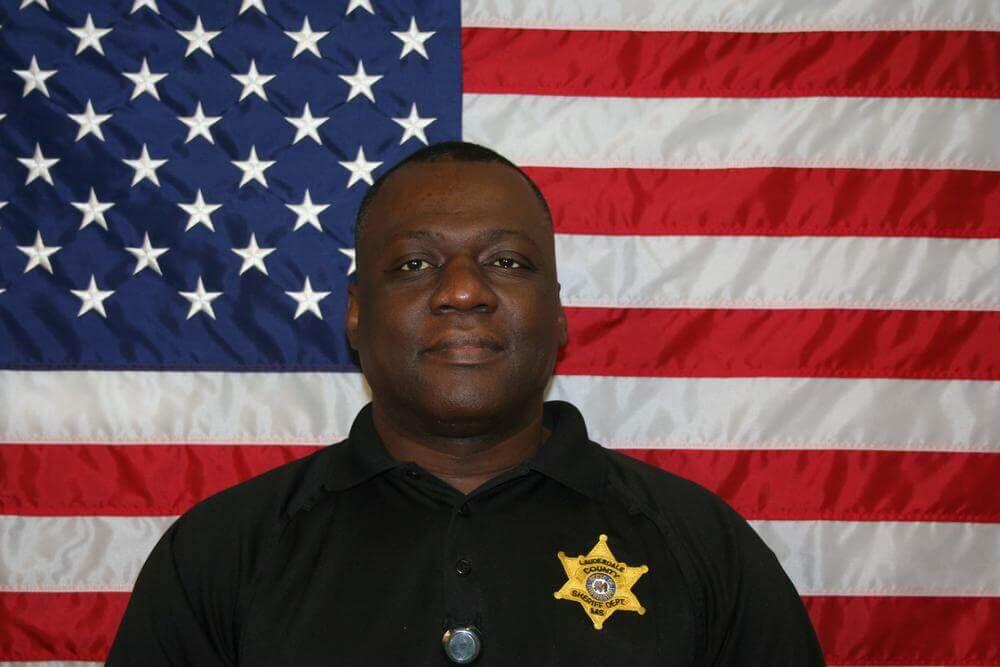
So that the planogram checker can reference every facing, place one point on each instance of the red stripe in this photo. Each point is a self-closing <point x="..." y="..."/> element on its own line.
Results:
<point x="731" y="64"/>
<point x="773" y="201"/>
<point x="843" y="485"/>
<point x="907" y="630"/>
<point x="165" y="480"/>
<point x="852" y="630"/>
<point x="782" y="343"/>
<point x="59" y="626"/>
<point x="126" y="480"/>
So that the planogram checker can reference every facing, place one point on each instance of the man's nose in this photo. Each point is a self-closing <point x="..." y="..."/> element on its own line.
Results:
<point x="463" y="286"/>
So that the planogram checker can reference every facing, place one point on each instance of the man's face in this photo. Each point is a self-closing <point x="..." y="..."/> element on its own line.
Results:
<point x="456" y="314"/>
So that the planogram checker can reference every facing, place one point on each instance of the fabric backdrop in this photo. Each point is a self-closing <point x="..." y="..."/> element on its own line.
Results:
<point x="778" y="235"/>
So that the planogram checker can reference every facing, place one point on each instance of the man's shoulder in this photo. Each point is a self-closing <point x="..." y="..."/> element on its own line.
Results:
<point x="262" y="503"/>
<point x="696" y="521"/>
<point x="660" y="490"/>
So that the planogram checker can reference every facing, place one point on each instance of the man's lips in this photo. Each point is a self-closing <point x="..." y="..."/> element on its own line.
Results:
<point x="465" y="349"/>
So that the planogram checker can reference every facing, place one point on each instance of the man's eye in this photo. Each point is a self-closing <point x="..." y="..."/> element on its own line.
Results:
<point x="507" y="263"/>
<point x="415" y="265"/>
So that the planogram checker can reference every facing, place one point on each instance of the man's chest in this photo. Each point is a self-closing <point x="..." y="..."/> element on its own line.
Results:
<point x="535" y="585"/>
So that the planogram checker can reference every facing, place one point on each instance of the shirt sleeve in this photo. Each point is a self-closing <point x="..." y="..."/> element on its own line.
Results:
<point x="766" y="622"/>
<point x="180" y="612"/>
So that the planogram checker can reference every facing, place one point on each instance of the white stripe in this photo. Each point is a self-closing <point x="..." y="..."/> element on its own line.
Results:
<point x="88" y="553"/>
<point x="621" y="412"/>
<point x="821" y="557"/>
<point x="887" y="558"/>
<point x="778" y="272"/>
<point x="743" y="16"/>
<point x="708" y="133"/>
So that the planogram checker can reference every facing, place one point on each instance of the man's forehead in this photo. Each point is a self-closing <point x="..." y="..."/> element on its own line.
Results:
<point x="456" y="187"/>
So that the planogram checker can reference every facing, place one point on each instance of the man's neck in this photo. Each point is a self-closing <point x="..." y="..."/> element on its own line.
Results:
<point x="464" y="462"/>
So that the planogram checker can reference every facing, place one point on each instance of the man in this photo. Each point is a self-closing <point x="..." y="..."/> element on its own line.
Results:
<point x="463" y="520"/>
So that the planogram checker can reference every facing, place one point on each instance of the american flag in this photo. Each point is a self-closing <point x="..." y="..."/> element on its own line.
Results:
<point x="778" y="235"/>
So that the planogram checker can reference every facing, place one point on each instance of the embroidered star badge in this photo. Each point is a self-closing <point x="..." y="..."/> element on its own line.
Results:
<point x="600" y="583"/>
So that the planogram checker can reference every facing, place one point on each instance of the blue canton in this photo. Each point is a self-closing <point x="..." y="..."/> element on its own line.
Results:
<point x="180" y="178"/>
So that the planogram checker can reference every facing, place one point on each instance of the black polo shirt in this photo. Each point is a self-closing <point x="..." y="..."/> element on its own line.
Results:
<point x="348" y="557"/>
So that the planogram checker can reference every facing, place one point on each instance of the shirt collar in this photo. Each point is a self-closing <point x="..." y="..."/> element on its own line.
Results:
<point x="361" y="456"/>
<point x="567" y="457"/>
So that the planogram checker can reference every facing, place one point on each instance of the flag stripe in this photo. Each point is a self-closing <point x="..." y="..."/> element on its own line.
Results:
<point x="746" y="16"/>
<point x="778" y="272"/>
<point x="59" y="626"/>
<point x="165" y="480"/>
<point x="782" y="343"/>
<point x="710" y="133"/>
<point x="773" y="201"/>
<point x="102" y="553"/>
<point x="127" y="480"/>
<point x="137" y="407"/>
<point x="862" y="557"/>
<point x="884" y="630"/>
<point x="79" y="626"/>
<point x="907" y="630"/>
<point x="870" y="486"/>
<point x="731" y="64"/>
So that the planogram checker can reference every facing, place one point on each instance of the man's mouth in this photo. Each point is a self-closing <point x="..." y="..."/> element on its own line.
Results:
<point x="465" y="349"/>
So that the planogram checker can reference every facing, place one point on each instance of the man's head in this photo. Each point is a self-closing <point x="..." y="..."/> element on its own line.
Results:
<point x="455" y="313"/>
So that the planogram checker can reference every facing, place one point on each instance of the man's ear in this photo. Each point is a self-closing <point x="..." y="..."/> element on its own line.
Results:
<point x="351" y="321"/>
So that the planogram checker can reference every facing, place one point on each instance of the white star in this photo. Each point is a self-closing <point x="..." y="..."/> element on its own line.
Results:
<point x="201" y="301"/>
<point x="38" y="253"/>
<point x="44" y="4"/>
<point x="306" y="125"/>
<point x="199" y="124"/>
<point x="200" y="212"/>
<point x="413" y="40"/>
<point x="253" y="168"/>
<point x="139" y="4"/>
<point x="257" y="4"/>
<point x="92" y="298"/>
<point x="351" y="255"/>
<point x="363" y="4"/>
<point x="253" y="256"/>
<point x="360" y="82"/>
<point x="145" y="167"/>
<point x="413" y="125"/>
<point x="144" y="80"/>
<point x="308" y="300"/>
<point x="93" y="210"/>
<point x="361" y="169"/>
<point x="89" y="35"/>
<point x="90" y="122"/>
<point x="147" y="256"/>
<point x="253" y="81"/>
<point x="307" y="212"/>
<point x="198" y="38"/>
<point x="38" y="166"/>
<point x="306" y="39"/>
<point x="34" y="78"/>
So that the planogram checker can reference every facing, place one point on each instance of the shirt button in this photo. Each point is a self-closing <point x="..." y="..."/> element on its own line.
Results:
<point x="463" y="567"/>
<point x="413" y="474"/>
<point x="463" y="509"/>
<point x="462" y="645"/>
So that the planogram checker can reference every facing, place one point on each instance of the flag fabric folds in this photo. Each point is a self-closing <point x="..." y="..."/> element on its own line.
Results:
<point x="778" y="235"/>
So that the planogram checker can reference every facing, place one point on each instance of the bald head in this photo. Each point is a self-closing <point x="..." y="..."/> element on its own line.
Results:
<point x="449" y="151"/>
